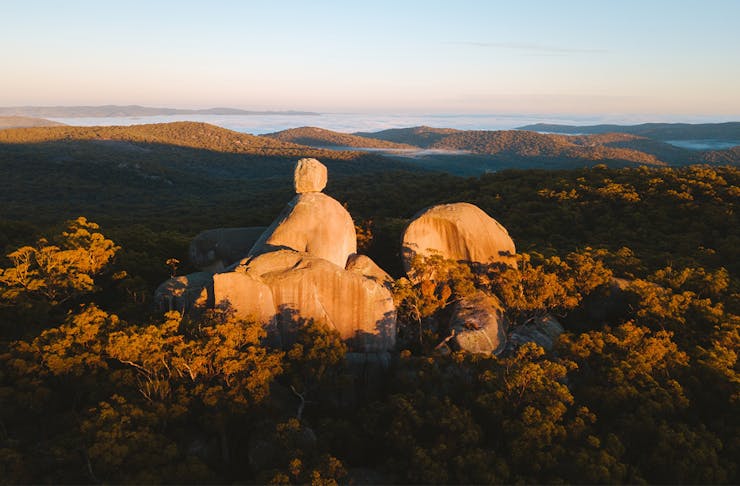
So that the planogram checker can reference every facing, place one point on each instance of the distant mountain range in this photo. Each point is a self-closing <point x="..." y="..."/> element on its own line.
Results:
<point x="128" y="110"/>
<point x="656" y="131"/>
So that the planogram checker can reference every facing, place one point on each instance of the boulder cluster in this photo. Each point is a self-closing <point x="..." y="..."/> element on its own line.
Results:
<point x="305" y="267"/>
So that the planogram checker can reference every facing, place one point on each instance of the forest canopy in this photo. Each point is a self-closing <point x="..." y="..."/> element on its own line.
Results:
<point x="639" y="265"/>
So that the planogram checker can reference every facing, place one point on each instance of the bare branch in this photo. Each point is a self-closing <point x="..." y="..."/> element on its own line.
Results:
<point x="303" y="402"/>
<point x="445" y="340"/>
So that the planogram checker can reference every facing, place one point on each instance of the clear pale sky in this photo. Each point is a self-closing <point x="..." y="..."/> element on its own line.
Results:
<point x="581" y="57"/>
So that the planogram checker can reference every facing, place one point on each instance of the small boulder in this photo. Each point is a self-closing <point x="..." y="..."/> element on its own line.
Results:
<point x="312" y="223"/>
<point x="479" y="324"/>
<point x="215" y="249"/>
<point x="364" y="265"/>
<point x="185" y="293"/>
<point x="310" y="176"/>
<point x="460" y="232"/>
<point x="543" y="331"/>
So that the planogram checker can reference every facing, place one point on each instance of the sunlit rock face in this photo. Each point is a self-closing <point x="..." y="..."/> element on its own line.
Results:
<point x="215" y="249"/>
<point x="300" y="270"/>
<point x="303" y="288"/>
<point x="306" y="287"/>
<point x="460" y="232"/>
<point x="310" y="176"/>
<point x="185" y="293"/>
<point x="479" y="324"/>
<point x="313" y="223"/>
<point x="248" y="297"/>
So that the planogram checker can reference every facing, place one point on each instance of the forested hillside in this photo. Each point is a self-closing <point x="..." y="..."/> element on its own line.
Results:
<point x="532" y="144"/>
<point x="494" y="150"/>
<point x="95" y="386"/>
<point x="657" y="131"/>
<point x="422" y="137"/>
<point x="153" y="172"/>
<point x="318" y="137"/>
<point x="182" y="134"/>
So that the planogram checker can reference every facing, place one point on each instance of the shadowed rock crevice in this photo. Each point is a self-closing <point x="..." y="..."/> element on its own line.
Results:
<point x="214" y="250"/>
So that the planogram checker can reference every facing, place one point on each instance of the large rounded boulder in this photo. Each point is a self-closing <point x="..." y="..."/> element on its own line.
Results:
<point x="312" y="223"/>
<point x="460" y="232"/>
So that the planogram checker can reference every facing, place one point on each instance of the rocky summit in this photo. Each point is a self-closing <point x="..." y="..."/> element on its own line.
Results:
<point x="305" y="267"/>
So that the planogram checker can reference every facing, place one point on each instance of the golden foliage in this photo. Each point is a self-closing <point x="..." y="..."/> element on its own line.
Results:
<point x="57" y="273"/>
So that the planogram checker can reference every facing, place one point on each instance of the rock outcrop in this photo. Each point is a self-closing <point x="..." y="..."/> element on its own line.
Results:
<point x="479" y="324"/>
<point x="460" y="232"/>
<point x="313" y="223"/>
<point x="310" y="176"/>
<point x="304" y="287"/>
<point x="298" y="270"/>
<point x="304" y="267"/>
<point x="543" y="331"/>
<point x="215" y="249"/>
<point x="185" y="293"/>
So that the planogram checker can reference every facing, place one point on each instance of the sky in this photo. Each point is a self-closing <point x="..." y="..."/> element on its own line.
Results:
<point x="675" y="58"/>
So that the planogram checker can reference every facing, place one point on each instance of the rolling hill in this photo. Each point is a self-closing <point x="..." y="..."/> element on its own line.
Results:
<point x="513" y="143"/>
<point x="657" y="131"/>
<point x="422" y="137"/>
<point x="182" y="134"/>
<point x="160" y="170"/>
<point x="319" y="137"/>
<point x="529" y="149"/>
<point x="464" y="150"/>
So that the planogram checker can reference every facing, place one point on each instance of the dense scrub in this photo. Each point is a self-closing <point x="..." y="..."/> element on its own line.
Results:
<point x="94" y="387"/>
